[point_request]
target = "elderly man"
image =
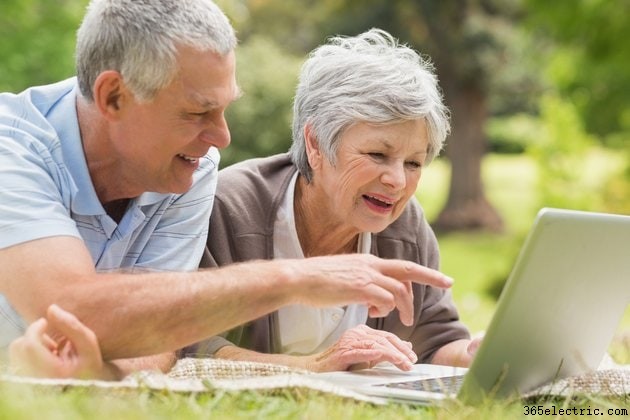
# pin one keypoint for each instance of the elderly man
(107, 186)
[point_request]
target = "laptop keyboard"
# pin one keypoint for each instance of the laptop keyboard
(445, 385)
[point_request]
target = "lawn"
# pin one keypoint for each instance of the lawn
(478, 262)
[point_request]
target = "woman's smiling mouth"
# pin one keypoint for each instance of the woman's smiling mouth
(379, 204)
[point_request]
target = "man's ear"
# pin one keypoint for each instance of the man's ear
(110, 94)
(313, 153)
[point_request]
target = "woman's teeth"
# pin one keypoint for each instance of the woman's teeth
(378, 202)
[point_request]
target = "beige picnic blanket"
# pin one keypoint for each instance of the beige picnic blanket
(610, 379)
(193, 375)
(207, 375)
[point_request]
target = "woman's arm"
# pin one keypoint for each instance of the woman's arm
(358, 347)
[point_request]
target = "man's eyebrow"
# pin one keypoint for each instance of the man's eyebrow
(210, 104)
(201, 100)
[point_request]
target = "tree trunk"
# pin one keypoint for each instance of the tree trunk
(467, 207)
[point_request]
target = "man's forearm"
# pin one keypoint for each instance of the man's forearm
(161, 312)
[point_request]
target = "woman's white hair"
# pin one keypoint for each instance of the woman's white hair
(139, 39)
(369, 78)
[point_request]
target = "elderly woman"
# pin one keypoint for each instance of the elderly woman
(368, 117)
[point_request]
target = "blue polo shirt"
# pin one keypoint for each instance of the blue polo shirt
(46, 190)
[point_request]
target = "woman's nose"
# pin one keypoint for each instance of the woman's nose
(394, 176)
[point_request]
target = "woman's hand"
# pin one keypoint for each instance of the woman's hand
(363, 347)
(75, 354)
(458, 353)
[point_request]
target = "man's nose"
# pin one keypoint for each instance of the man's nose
(217, 133)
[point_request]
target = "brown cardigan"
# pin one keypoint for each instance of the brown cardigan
(241, 229)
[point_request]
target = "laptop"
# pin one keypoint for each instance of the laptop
(555, 318)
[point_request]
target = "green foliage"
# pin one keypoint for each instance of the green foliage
(284, 21)
(616, 191)
(260, 121)
(561, 151)
(586, 44)
(37, 41)
(512, 133)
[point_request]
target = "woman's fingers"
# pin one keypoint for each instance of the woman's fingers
(363, 346)
(390, 340)
(408, 271)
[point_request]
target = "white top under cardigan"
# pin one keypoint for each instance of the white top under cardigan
(304, 329)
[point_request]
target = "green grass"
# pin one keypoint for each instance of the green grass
(18, 402)
(477, 262)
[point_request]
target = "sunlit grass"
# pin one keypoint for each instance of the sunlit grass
(77, 403)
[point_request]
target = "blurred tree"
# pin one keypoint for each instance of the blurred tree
(37, 41)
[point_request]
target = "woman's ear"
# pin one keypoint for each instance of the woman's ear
(110, 94)
(313, 153)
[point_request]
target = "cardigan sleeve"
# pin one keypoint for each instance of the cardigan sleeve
(438, 320)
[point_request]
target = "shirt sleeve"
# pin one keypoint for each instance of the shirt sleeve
(34, 193)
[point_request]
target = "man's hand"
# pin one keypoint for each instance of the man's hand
(380, 284)
(75, 354)
(364, 347)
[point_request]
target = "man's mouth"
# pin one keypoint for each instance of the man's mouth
(188, 158)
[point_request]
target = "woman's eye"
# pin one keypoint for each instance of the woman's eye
(376, 155)
(414, 165)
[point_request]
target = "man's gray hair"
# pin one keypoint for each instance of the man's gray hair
(370, 78)
(139, 39)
